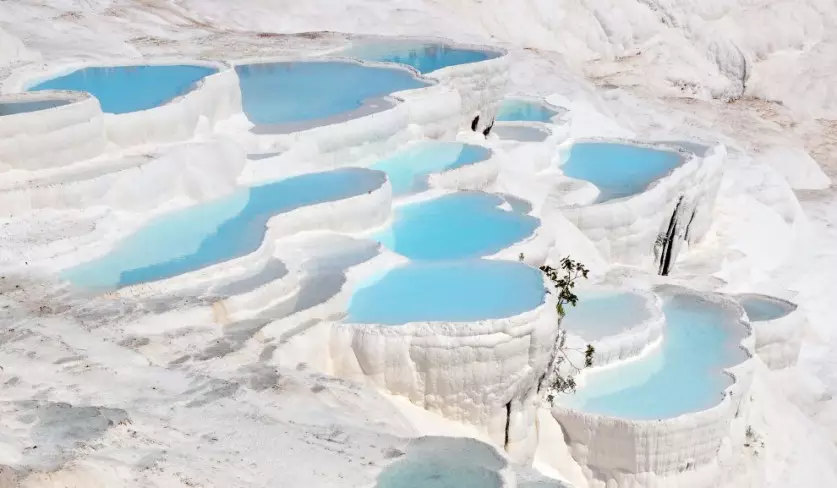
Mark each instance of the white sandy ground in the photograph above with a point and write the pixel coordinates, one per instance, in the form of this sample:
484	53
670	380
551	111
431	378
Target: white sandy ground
88	398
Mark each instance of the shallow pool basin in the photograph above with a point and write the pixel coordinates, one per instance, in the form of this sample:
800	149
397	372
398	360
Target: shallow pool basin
449	291
602	313
123	89
455	226
619	169
762	308
684	374
424	57
289	96
522	110
407	170
214	232
21	107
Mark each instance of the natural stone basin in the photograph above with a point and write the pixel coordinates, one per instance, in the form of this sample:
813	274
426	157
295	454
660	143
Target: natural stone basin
455	226
296	95
424	57
123	89
448	291
617	169
684	374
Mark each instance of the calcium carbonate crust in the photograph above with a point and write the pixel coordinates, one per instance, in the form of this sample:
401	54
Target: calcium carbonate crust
51	137
615	452
214	98
482	373
778	341
630	343
348	215
626	230
137	182
436	111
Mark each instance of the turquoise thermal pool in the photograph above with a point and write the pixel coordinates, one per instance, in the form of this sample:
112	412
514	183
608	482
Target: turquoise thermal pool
123	89
761	308
603	313
682	375
209	233
424	57
302	94
619	170
408	169
455	226
520	110
448	291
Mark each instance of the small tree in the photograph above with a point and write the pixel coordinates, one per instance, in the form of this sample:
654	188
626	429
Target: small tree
564	280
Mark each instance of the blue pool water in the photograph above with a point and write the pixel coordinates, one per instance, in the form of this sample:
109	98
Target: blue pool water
206	234
123	89
425	58
602	313
518	110
455	226
450	291
619	170
407	170
683	375
12	108
444	462
294	92
761	308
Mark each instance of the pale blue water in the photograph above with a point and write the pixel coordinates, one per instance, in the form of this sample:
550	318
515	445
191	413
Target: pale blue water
407	170
760	309
603	313
293	92
455	226
12	108
449	291
220	230
423	57
444	462
683	375
123	89
517	110
619	170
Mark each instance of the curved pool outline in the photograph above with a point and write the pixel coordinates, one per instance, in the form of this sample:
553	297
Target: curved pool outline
787	306
675	450
24	80
685	157
422	181
231	206
367	293
45	145
391	99
378	40
627	343
558	112
778	336
725	306
429	227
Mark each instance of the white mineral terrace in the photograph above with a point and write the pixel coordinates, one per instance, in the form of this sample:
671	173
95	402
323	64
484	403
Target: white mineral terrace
320	254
